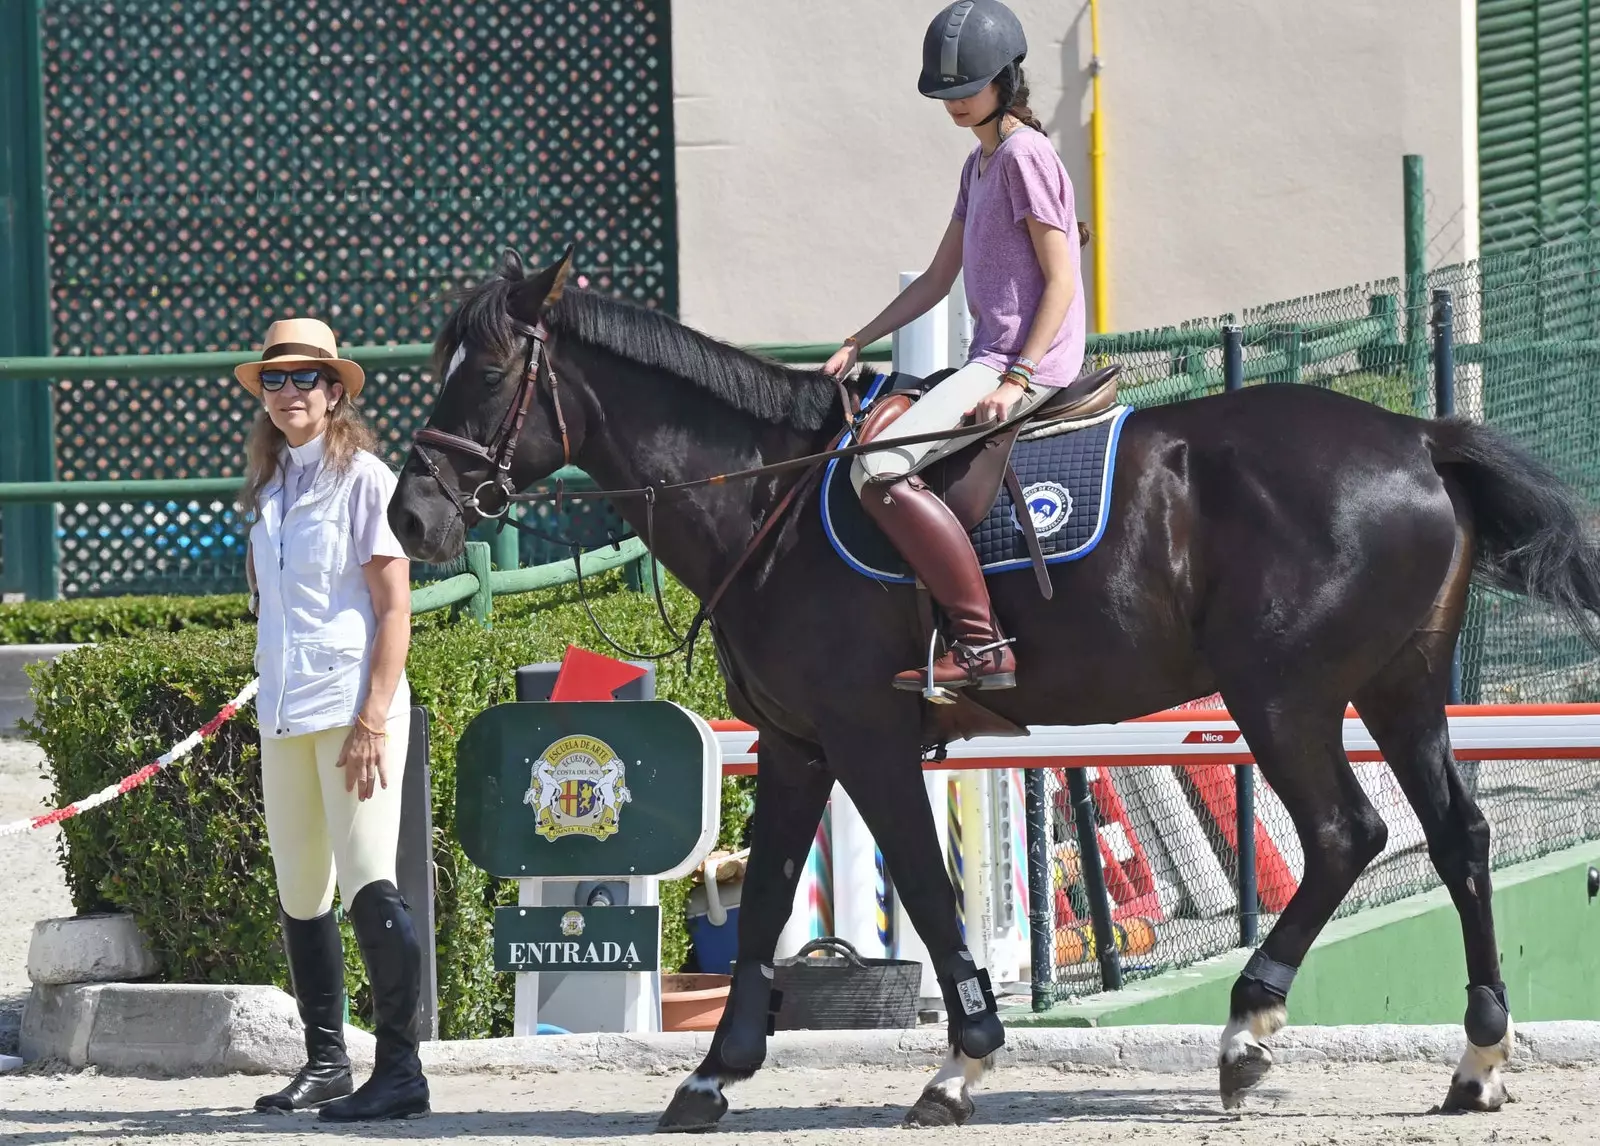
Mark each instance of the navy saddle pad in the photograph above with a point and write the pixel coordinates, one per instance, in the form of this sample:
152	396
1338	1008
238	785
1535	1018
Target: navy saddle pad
1065	479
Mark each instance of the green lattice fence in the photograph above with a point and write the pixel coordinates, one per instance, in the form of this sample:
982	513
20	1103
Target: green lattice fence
217	164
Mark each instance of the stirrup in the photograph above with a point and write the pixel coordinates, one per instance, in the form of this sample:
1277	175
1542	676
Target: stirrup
934	693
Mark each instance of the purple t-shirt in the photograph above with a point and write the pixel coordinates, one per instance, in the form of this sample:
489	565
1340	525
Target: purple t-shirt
1004	281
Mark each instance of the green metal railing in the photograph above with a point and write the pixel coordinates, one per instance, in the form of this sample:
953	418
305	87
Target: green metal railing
39	559
410	356
480	585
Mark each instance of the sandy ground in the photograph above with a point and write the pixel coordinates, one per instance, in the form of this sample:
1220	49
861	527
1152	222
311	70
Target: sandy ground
34	887
1351	1106
40	1106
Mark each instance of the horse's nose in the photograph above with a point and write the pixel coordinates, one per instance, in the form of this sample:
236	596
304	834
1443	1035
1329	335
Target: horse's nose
407	525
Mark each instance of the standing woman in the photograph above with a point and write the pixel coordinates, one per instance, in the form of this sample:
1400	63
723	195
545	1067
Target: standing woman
330	587
1009	237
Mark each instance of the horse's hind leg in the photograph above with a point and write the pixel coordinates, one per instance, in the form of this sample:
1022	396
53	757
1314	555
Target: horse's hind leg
1299	746
1403	708
792	789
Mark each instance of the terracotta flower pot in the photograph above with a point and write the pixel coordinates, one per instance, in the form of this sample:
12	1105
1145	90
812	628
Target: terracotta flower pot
693	1002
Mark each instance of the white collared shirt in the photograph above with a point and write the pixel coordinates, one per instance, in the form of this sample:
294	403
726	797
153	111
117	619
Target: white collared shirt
314	629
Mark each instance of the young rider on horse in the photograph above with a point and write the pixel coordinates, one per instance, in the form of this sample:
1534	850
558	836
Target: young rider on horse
1008	236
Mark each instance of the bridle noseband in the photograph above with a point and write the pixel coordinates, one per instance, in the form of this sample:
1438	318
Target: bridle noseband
502	448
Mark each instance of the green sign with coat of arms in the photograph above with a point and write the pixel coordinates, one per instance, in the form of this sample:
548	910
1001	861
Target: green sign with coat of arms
587	789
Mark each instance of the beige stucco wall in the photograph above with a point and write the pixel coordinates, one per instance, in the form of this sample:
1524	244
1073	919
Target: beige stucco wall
1253	150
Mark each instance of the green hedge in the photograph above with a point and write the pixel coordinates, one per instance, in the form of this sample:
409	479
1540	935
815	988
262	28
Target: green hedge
88	619
186	854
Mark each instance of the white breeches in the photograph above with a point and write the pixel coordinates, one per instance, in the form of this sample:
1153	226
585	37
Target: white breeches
318	831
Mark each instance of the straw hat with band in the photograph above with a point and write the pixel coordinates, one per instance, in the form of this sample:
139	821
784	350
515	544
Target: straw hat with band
295	343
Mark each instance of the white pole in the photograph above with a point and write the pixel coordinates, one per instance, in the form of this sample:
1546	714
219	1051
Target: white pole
977	866
922	345
960	323
855	878
641	992
525	1008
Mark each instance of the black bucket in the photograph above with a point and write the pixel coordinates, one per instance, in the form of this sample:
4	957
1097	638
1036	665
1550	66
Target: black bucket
844	991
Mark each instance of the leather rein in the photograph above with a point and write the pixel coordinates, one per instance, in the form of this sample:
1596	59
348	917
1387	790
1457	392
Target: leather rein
502	449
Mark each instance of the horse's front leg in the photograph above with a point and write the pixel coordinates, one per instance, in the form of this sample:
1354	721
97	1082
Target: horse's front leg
880	766
792	787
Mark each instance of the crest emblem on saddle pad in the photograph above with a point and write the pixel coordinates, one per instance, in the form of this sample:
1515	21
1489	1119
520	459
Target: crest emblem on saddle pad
1049	504
577	789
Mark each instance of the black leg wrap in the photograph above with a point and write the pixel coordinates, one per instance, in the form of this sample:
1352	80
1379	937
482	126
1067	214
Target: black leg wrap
1488	1015
975	1027
753	1010
1274	976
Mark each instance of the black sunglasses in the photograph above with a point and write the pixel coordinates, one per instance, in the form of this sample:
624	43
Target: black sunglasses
302	379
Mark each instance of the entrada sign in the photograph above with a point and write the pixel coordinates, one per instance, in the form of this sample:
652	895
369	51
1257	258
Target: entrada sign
571	939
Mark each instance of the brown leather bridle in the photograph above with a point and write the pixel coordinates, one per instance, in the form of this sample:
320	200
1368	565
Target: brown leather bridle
502	448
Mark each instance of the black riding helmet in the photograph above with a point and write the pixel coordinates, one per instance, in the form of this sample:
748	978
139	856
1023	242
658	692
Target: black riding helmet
969	45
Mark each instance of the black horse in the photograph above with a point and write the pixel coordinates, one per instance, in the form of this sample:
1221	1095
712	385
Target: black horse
1286	546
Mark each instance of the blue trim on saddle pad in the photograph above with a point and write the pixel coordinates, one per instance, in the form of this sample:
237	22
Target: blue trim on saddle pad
1063	462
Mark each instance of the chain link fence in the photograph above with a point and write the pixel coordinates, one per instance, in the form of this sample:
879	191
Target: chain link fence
1526	337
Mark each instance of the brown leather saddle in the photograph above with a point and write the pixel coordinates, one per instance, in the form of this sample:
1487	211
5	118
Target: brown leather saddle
969	476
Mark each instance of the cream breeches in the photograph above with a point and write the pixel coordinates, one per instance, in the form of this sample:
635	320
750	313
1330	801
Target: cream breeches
941	408
318	831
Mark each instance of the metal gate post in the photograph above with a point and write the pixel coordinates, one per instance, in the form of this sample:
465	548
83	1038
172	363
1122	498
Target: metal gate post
27	432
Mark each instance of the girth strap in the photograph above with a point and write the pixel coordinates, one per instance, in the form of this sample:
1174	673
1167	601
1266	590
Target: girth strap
1029	535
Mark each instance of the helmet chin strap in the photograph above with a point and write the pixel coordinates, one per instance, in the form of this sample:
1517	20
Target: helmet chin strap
1008	90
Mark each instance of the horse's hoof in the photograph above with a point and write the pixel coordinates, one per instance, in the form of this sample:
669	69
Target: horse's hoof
1472	1094
691	1111
936	1108
1240	1074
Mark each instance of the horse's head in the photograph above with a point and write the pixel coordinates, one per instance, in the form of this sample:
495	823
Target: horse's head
501	421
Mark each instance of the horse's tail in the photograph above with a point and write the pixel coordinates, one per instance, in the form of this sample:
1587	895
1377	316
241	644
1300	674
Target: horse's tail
1533	529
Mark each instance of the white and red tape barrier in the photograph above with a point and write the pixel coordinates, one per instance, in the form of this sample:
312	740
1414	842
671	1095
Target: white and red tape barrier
128	783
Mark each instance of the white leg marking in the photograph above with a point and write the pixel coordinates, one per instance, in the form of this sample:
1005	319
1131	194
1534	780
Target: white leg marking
700	1084
1482	1065
957	1074
1241	1034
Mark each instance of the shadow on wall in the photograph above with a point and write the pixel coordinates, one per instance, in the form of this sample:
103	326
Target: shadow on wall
1068	125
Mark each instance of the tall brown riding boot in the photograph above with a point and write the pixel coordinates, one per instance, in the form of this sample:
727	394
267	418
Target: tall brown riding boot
925	532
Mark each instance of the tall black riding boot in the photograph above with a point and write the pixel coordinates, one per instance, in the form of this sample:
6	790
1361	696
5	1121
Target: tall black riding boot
316	976
393	956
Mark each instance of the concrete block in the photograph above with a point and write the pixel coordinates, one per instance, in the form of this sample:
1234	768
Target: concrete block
57	1022
1166	1050
1066	1048
16	696
103	948
667	1050
524	1053
172	1028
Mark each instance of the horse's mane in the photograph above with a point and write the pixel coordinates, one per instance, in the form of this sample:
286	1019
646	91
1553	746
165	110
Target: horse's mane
804	399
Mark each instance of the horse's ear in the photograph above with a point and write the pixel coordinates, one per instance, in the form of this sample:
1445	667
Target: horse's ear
534	294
